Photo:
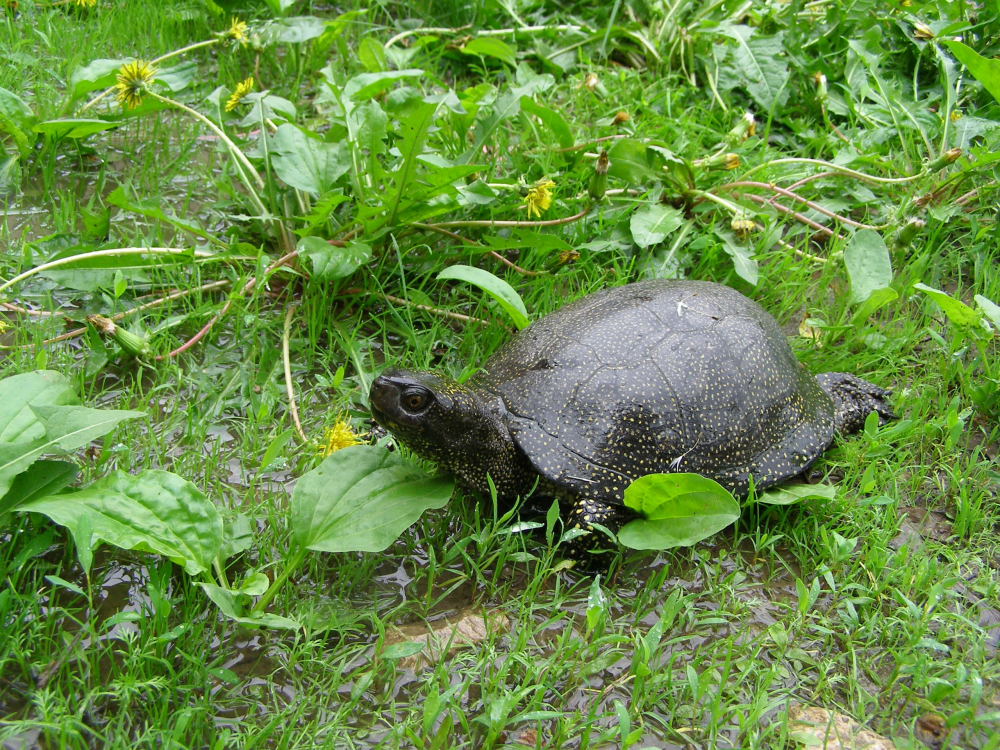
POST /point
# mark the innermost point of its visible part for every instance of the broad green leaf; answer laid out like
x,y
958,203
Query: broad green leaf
x,y
653,222
97,74
17,120
40,479
331,262
367,85
489,46
757,64
151,210
155,511
985,70
868,264
628,161
91,274
990,310
305,162
255,584
957,311
678,510
225,600
73,127
372,55
553,119
178,77
500,290
295,29
878,299
360,499
237,534
789,494
72,427
18,423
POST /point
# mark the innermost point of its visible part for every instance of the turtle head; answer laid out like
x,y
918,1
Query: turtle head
x,y
460,428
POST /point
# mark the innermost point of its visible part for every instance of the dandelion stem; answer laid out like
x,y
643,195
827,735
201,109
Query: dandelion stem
x,y
288,373
161,58
101,254
835,167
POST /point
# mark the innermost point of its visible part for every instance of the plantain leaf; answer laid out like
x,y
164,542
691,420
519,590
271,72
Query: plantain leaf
x,y
505,295
360,499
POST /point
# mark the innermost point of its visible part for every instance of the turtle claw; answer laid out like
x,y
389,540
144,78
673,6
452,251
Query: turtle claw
x,y
853,400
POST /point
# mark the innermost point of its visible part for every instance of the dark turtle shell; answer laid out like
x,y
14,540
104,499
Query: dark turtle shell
x,y
659,376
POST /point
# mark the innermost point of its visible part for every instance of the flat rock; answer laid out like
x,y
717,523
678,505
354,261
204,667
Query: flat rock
x,y
818,728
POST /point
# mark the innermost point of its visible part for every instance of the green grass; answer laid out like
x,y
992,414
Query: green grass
x,y
817,604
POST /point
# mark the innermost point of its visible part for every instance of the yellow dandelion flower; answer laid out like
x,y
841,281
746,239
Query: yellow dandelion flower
x,y
341,435
956,115
237,31
539,198
134,80
242,89
84,3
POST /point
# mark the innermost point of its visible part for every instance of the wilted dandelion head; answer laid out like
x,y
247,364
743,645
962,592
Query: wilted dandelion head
x,y
539,198
134,80
341,435
242,89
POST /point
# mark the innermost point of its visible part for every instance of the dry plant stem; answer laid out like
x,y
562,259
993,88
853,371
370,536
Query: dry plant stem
x,y
247,287
511,224
120,316
789,194
161,58
426,308
25,311
795,215
468,241
288,374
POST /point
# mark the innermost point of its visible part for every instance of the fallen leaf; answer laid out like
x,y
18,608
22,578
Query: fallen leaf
x,y
442,639
931,731
528,737
818,728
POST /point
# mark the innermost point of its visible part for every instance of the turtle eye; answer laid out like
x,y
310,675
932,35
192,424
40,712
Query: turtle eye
x,y
415,399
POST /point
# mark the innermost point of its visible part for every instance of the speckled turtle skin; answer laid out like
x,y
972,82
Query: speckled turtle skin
x,y
650,377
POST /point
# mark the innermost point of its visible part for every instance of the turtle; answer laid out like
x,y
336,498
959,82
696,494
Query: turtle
x,y
655,376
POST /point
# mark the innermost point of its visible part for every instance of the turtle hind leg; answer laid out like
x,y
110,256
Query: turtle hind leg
x,y
853,400
594,551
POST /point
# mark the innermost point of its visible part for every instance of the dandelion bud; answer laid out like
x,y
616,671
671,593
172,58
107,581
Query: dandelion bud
x,y
948,157
923,32
821,91
598,184
128,341
719,161
743,129
908,232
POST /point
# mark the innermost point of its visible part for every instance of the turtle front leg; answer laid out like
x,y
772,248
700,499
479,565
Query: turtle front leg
x,y
594,550
853,400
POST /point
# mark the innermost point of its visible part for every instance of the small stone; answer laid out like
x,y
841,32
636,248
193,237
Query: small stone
x,y
816,727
